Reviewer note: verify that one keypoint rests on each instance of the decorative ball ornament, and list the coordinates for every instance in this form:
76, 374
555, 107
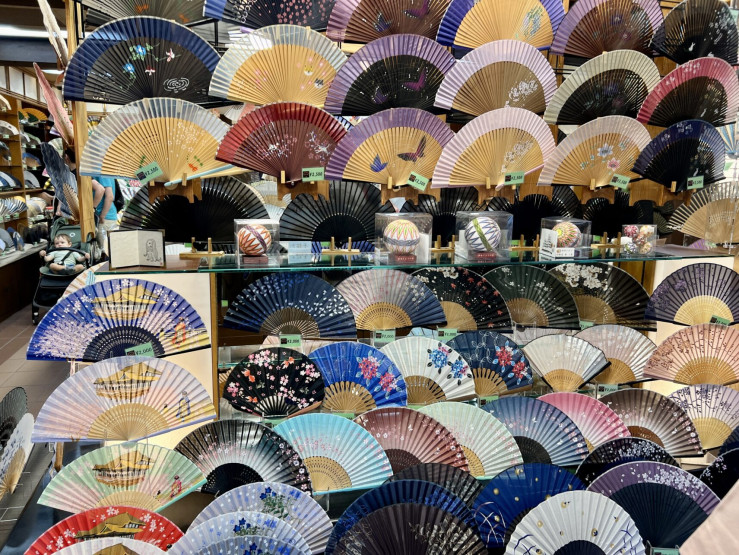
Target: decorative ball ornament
482, 234
401, 236
630, 248
568, 234
631, 231
254, 239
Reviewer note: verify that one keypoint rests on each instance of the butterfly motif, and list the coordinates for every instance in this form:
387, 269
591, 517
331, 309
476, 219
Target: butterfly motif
417, 86
378, 165
418, 13
379, 97
381, 25
414, 156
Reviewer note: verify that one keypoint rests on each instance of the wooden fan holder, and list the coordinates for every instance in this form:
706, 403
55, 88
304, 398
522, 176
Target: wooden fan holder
521, 248
438, 251
190, 189
407, 192
197, 255
656, 192
508, 192
333, 251
604, 245
312, 188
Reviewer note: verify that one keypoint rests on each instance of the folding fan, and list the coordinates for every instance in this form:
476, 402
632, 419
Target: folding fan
132, 474
118, 521
389, 145
666, 502
595, 151
12, 408
706, 353
275, 382
487, 444
611, 217
181, 137
258, 14
512, 493
99, 546
460, 482
338, 453
577, 522
714, 410
185, 12
543, 433
4, 104
621, 451
8, 129
390, 72
291, 505
715, 204
87, 277
388, 299
612, 84
710, 83
14, 455
444, 211
63, 180
432, 371
626, 349
732, 442
650, 415
605, 294
62, 123
30, 180
697, 28
565, 362
722, 473
31, 160
492, 145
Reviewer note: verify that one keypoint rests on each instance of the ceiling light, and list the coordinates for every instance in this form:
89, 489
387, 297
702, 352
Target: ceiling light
11, 31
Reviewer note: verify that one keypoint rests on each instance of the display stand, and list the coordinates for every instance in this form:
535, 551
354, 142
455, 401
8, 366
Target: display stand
437, 251
195, 254
313, 188
522, 249
407, 192
604, 245
191, 190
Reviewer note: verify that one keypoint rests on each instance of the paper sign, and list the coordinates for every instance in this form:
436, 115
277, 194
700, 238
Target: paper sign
417, 181
292, 341
149, 172
447, 334
272, 422
299, 247
718, 320
513, 178
349, 415
313, 174
489, 399
695, 182
620, 181
380, 338
143, 350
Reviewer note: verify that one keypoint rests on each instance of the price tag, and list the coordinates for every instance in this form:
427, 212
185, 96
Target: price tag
188, 245
417, 181
313, 174
606, 388
585, 324
292, 341
414, 406
665, 551
149, 172
272, 422
489, 399
224, 303
143, 350
349, 415
513, 178
447, 334
718, 320
695, 182
15, 216
380, 338
620, 181
299, 247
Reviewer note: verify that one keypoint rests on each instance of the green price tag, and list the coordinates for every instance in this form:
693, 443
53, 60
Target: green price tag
272, 422
380, 338
224, 303
149, 172
415, 407
349, 415
718, 320
606, 388
489, 399
620, 181
447, 334
291, 341
313, 174
585, 325
188, 245
665, 551
143, 350
728, 166
417, 181
695, 182
513, 178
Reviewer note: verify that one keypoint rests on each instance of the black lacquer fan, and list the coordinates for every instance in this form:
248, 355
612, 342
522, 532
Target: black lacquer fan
609, 218
453, 200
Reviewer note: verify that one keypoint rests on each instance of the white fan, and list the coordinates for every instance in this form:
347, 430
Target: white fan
564, 361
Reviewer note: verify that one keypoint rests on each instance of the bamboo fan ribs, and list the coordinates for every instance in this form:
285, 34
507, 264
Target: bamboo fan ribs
460, 482
182, 12
714, 410
710, 214
565, 362
626, 349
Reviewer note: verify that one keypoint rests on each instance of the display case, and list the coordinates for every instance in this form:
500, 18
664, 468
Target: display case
404, 237
483, 236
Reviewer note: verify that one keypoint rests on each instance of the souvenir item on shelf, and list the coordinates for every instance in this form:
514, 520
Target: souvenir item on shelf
401, 237
338, 453
254, 239
482, 234
187, 12
7, 129
444, 211
460, 482
626, 349
107, 318
111, 545
613, 218
612, 84
258, 14
717, 204
544, 433
722, 474
714, 410
14, 454
568, 235
616, 452
12, 408
4, 104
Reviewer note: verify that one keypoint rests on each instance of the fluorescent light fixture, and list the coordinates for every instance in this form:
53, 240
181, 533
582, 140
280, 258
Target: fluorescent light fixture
53, 71
11, 31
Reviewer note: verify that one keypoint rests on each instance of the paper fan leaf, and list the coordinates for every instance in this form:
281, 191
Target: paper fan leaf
137, 475
460, 482
13, 407
565, 362
626, 349
62, 123
444, 211
612, 84
180, 136
254, 543
258, 14
722, 474
492, 145
62, 179
714, 410
107, 318
111, 545
279, 63
717, 203
621, 451
338, 453
187, 12
650, 415
15, 454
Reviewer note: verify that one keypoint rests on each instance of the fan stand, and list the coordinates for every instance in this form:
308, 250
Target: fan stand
522, 248
313, 188
196, 254
332, 251
438, 251
604, 245
189, 189
407, 192
659, 194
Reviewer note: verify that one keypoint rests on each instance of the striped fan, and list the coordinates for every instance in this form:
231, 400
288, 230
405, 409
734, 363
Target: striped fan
507, 498
444, 211
140, 57
653, 416
595, 151
409, 438
605, 294
710, 83
612, 84
714, 410
30, 180
338, 453
621, 451
492, 145
626, 349
136, 475
486, 442
12, 408
184, 12
4, 104
432, 371
30, 160
577, 522
390, 72
706, 353
15, 454
181, 137
282, 138
460, 482
732, 442
111, 545
716, 204
257, 14
388, 299
543, 433
107, 318
696, 293
8, 129
565, 362
666, 502
696, 28
722, 474
498, 74
279, 63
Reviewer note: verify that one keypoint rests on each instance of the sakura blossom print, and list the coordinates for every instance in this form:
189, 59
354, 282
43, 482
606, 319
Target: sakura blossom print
182, 12
255, 14
615, 452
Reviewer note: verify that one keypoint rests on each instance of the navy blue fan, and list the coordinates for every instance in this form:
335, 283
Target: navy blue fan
508, 497
722, 473
63, 180
731, 443
292, 303
256, 14
460, 482
141, 57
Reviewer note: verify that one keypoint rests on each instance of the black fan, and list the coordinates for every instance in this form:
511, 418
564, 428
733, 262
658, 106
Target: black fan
609, 218
460, 483
723, 473
453, 200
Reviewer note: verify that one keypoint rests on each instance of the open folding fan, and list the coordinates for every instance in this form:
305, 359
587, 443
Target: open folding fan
258, 14
389, 299
626, 349
387, 146
716, 204
604, 294
87, 277
14, 454
181, 137
565, 362
710, 83
132, 474
279, 63
115, 521
498, 74
492, 145
512, 493
107, 318
666, 502
444, 211
621, 451
722, 473
611, 217
612, 84
275, 382
543, 433
595, 151
705, 353
432, 371
714, 410
460, 482
390, 72
732, 442
338, 453
184, 12
114, 545
62, 123
7, 129
697, 28
485, 441
650, 415
12, 408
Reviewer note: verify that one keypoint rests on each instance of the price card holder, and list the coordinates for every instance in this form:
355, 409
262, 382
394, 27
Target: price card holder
606, 388
380, 338
662, 550
447, 334
514, 178
292, 341
417, 181
718, 320
143, 350
584, 324
224, 303
349, 415
619, 181
695, 182
149, 172
313, 174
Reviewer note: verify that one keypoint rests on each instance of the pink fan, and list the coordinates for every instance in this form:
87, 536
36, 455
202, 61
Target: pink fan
62, 123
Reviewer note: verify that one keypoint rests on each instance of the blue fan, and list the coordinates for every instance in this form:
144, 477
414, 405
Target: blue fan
498, 365
358, 378
140, 57
512, 493
62, 178
544, 433
731, 443
292, 303
31, 160
112, 317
